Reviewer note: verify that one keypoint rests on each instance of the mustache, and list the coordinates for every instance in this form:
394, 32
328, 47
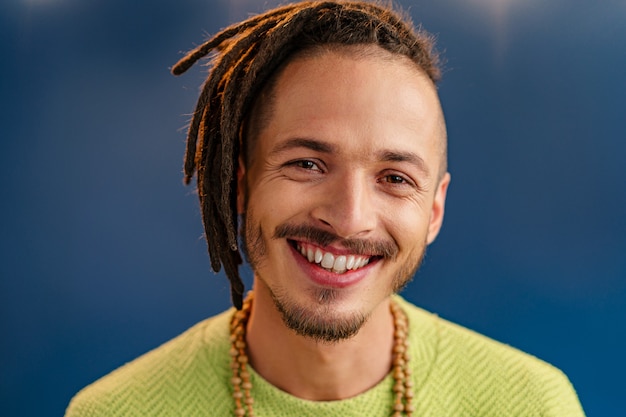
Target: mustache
387, 249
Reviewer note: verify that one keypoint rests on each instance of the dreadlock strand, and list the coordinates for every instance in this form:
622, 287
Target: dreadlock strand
214, 255
194, 135
209, 218
201, 51
212, 212
233, 31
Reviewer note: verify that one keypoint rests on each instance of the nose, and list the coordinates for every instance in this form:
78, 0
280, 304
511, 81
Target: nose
347, 206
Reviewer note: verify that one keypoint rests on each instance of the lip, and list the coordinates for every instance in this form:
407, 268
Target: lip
327, 279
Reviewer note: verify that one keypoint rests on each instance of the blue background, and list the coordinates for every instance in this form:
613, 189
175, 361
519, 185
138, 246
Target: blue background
101, 252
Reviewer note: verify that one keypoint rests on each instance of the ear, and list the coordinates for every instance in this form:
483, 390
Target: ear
241, 186
438, 208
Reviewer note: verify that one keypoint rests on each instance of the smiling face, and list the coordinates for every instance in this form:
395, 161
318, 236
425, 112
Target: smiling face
343, 188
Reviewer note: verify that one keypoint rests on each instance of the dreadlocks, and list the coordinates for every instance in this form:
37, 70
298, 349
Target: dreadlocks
245, 56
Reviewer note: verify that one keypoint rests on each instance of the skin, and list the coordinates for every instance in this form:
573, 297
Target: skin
352, 147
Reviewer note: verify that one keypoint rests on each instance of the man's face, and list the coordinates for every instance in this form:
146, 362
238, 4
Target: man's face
342, 192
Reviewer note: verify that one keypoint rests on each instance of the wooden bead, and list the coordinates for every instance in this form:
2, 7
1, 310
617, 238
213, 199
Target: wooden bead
398, 406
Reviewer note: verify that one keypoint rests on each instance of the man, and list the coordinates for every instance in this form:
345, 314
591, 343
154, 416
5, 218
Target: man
320, 127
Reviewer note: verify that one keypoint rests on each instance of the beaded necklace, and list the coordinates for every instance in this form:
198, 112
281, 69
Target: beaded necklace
242, 387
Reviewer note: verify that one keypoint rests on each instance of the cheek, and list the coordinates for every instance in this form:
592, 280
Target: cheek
273, 204
280, 199
407, 224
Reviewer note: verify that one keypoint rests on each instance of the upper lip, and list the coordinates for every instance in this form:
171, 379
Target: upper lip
338, 251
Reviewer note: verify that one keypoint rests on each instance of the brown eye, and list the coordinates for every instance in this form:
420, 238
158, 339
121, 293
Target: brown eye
306, 164
395, 179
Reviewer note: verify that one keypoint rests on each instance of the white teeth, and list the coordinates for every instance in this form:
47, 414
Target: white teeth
328, 260
338, 264
350, 262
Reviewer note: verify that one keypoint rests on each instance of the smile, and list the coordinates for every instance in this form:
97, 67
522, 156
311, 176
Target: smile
329, 261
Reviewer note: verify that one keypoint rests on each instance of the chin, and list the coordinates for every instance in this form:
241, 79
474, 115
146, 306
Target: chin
321, 320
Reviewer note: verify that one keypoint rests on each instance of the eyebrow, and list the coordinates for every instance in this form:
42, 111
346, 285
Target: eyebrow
400, 156
312, 144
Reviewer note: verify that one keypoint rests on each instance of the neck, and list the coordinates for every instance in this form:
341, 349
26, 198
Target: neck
317, 370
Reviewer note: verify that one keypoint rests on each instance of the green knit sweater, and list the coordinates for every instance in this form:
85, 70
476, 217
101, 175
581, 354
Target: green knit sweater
456, 373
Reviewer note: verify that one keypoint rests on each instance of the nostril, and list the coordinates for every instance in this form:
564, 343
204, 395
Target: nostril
325, 222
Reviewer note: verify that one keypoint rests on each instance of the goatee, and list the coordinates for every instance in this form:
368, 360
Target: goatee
321, 321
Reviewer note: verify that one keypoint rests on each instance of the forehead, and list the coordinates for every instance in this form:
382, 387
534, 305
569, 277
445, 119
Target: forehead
355, 97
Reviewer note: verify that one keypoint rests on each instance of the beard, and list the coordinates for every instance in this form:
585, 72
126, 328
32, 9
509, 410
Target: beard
320, 321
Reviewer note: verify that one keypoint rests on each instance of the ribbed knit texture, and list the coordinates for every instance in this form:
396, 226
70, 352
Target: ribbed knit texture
456, 373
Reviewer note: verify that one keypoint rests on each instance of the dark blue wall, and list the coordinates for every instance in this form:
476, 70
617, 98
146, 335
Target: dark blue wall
101, 249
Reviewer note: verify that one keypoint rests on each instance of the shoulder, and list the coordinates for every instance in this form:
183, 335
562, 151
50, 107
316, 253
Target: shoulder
481, 375
166, 380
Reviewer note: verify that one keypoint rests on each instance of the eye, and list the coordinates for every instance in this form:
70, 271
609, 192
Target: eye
397, 182
395, 179
306, 165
